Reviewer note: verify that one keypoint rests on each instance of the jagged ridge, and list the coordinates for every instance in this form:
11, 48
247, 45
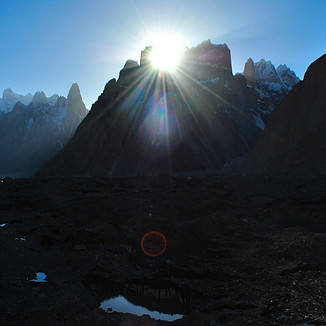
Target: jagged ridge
198, 120
294, 140
31, 134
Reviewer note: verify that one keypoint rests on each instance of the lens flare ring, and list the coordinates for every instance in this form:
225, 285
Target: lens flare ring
157, 236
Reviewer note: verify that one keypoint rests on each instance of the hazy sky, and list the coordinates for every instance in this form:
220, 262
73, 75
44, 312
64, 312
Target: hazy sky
49, 44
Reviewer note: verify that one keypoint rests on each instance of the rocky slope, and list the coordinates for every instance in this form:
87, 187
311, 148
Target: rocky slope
33, 131
197, 120
294, 141
240, 251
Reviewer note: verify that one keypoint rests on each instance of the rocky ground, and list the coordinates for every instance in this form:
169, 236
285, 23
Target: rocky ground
240, 250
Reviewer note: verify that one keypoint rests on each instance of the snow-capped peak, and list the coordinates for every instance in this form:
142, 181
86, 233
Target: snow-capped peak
9, 99
266, 71
270, 84
288, 77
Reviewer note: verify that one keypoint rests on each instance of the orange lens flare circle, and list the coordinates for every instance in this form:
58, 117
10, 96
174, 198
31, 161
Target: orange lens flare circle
153, 243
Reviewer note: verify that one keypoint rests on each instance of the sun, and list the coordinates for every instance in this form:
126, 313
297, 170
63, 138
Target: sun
167, 51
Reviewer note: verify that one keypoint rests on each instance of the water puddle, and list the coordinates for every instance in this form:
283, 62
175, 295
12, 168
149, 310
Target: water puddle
40, 278
160, 299
121, 304
21, 239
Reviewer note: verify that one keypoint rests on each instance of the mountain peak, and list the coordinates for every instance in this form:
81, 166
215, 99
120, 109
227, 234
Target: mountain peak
74, 92
287, 76
281, 68
76, 106
10, 98
39, 97
265, 70
52, 100
249, 72
130, 64
74, 86
8, 94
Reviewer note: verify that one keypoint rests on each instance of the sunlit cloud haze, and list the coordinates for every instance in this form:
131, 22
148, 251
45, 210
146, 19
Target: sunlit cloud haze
48, 45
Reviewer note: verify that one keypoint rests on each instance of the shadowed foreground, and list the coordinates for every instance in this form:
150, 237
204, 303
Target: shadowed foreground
249, 250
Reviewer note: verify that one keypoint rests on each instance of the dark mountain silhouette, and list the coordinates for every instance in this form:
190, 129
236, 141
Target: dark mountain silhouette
31, 134
199, 119
294, 141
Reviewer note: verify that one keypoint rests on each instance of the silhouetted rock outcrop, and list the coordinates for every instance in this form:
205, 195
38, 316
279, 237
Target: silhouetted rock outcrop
147, 123
145, 56
207, 61
294, 140
200, 119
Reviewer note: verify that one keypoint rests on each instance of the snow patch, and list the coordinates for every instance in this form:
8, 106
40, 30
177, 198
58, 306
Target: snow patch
211, 81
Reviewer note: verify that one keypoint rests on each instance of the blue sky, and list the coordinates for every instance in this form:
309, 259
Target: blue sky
50, 44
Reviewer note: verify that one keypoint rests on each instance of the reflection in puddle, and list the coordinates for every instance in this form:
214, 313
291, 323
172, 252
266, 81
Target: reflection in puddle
157, 297
121, 304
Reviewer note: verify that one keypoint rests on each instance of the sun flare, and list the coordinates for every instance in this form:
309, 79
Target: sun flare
167, 51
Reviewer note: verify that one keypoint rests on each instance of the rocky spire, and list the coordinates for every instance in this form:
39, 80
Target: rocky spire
76, 106
249, 72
